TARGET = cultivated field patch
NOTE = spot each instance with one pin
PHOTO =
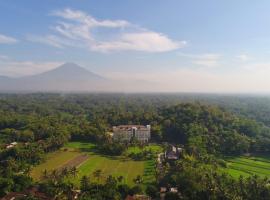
(87, 160)
(247, 166)
(115, 165)
(53, 161)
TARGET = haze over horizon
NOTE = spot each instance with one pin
(181, 46)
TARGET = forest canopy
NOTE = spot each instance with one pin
(207, 126)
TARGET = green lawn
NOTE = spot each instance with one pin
(247, 166)
(110, 165)
(115, 165)
(53, 161)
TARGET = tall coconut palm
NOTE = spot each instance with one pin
(120, 179)
(45, 174)
(64, 172)
(97, 174)
(85, 183)
(74, 171)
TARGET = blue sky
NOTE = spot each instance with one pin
(191, 46)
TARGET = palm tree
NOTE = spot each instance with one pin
(45, 174)
(138, 180)
(97, 174)
(64, 172)
(69, 190)
(27, 170)
(120, 179)
(55, 175)
(74, 171)
(85, 183)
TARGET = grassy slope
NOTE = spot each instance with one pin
(247, 166)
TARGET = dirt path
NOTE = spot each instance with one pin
(75, 162)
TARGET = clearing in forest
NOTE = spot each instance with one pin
(53, 161)
(87, 159)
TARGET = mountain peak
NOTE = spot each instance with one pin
(69, 72)
(70, 66)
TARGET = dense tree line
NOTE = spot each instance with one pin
(212, 130)
(205, 125)
(198, 178)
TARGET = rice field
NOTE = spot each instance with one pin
(247, 166)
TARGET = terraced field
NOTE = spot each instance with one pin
(247, 166)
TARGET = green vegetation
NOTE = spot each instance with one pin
(53, 161)
(247, 166)
(44, 124)
(118, 166)
(114, 165)
(109, 165)
(151, 147)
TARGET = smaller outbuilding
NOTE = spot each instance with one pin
(11, 145)
(173, 153)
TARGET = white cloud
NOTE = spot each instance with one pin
(142, 41)
(78, 29)
(13, 68)
(54, 40)
(207, 60)
(7, 39)
(243, 57)
(88, 20)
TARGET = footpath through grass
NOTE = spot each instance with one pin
(247, 166)
(53, 161)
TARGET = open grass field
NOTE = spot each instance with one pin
(53, 161)
(109, 165)
(247, 166)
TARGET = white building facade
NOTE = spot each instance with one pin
(127, 132)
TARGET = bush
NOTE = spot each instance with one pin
(137, 189)
(152, 191)
(222, 163)
(113, 149)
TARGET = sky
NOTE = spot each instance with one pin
(182, 45)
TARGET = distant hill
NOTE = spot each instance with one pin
(69, 77)
(67, 72)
